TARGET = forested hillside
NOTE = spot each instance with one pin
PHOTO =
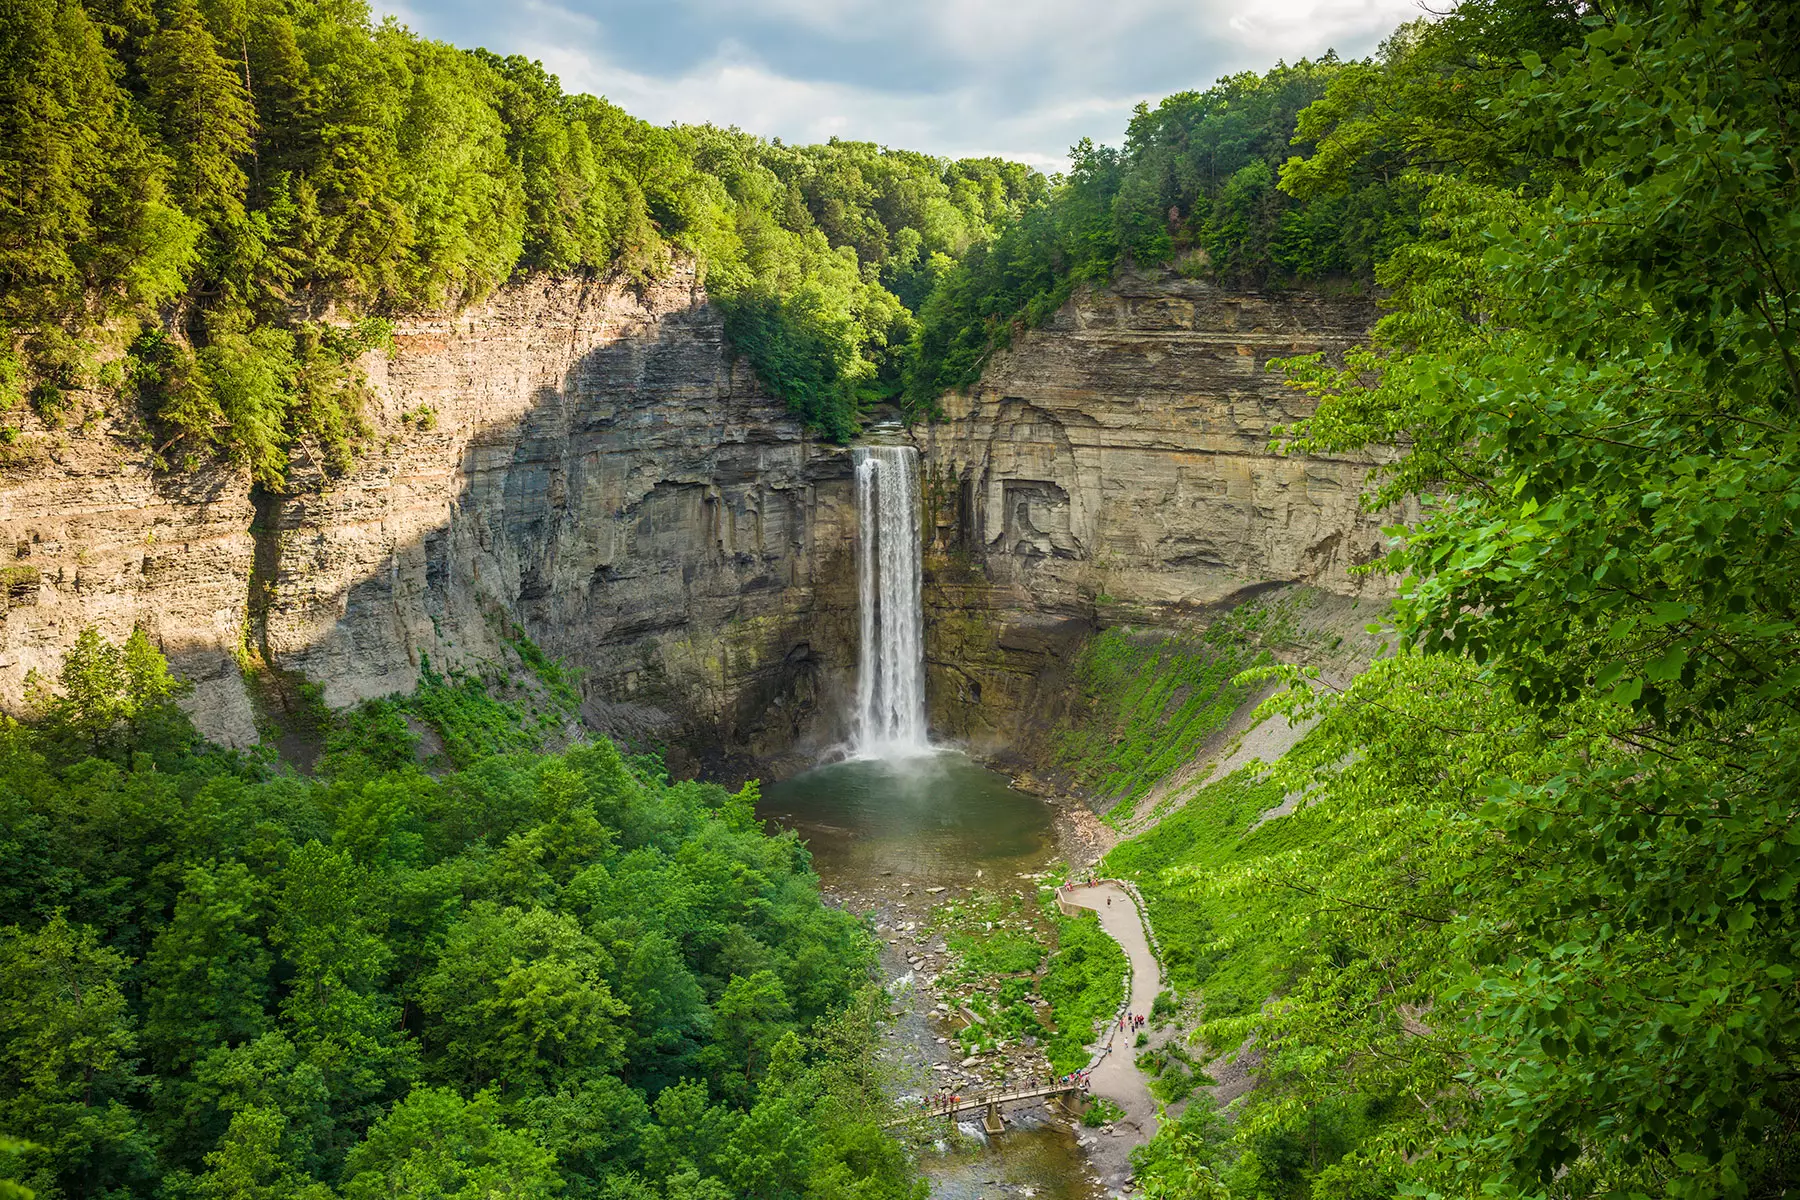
(210, 207)
(1194, 187)
(528, 977)
(1532, 926)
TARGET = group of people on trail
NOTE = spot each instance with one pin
(1136, 1022)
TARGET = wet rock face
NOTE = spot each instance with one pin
(1113, 467)
(578, 459)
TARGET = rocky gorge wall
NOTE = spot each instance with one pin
(1113, 467)
(583, 460)
(578, 458)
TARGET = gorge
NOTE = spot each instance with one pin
(557, 656)
(600, 473)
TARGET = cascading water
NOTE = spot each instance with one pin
(890, 684)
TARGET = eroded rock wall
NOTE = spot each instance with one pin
(1113, 467)
(578, 458)
(601, 473)
(583, 460)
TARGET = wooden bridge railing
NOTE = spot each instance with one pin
(1075, 1098)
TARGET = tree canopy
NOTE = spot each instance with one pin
(1532, 930)
(540, 976)
(221, 190)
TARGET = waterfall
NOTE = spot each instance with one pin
(890, 682)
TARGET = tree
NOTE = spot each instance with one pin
(104, 686)
(206, 975)
(435, 1145)
(67, 1077)
(341, 1019)
(205, 115)
(11, 1150)
(518, 1001)
(248, 1164)
(753, 1013)
(1592, 367)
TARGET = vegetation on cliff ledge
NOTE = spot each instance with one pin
(533, 976)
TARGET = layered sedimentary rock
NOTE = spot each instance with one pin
(582, 460)
(1114, 467)
(600, 472)
(93, 537)
(576, 458)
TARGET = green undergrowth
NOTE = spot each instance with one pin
(1173, 1073)
(1150, 700)
(1084, 985)
(497, 709)
(1002, 952)
(999, 943)
(1102, 1112)
(1235, 967)
(1013, 986)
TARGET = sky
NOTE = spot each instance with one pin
(1023, 79)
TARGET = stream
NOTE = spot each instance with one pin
(882, 832)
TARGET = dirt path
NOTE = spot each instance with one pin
(1117, 1077)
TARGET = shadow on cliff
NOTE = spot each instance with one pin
(651, 518)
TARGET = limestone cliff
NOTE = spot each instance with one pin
(580, 458)
(1113, 467)
(583, 459)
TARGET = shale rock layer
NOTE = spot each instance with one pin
(1113, 467)
(578, 459)
(583, 461)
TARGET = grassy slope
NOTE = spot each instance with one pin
(1150, 700)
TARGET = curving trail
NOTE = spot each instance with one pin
(1117, 1077)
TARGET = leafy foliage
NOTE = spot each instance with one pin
(201, 181)
(1084, 985)
(1532, 928)
(536, 976)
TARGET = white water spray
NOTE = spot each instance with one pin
(890, 683)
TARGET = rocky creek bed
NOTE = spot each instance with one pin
(945, 857)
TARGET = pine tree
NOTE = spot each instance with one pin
(204, 113)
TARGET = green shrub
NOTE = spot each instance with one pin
(1084, 986)
(1101, 1111)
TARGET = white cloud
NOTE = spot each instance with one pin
(954, 77)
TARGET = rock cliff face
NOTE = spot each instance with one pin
(1113, 467)
(576, 458)
(603, 475)
(584, 461)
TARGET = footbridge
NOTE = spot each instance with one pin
(1072, 1098)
